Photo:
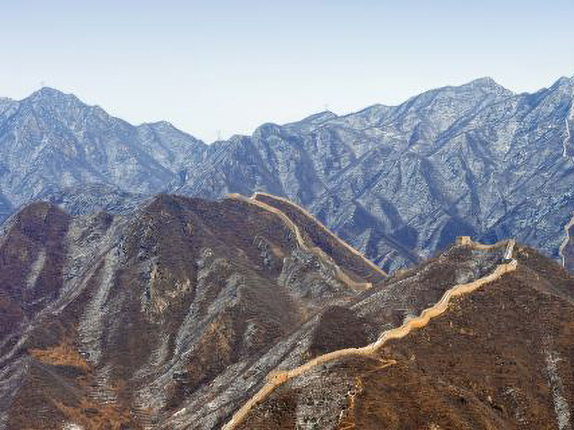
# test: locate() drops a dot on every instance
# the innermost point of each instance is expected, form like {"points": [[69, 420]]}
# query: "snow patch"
{"points": [[72, 426], [36, 269], [561, 406]]}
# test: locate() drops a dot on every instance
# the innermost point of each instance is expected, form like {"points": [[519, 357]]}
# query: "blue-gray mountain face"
{"points": [[52, 141], [396, 182]]}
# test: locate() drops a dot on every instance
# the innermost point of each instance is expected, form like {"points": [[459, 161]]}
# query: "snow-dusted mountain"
{"points": [[51, 141], [398, 182], [401, 182]]}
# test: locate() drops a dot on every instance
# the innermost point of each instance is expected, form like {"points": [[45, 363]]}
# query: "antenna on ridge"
{"points": [[42, 84], [219, 135]]}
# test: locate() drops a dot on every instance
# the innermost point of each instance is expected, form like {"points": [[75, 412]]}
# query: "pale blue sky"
{"points": [[232, 65]]}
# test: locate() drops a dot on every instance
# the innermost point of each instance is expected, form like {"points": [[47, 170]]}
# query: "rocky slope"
{"points": [[401, 182], [397, 182], [111, 321], [177, 315], [492, 360]]}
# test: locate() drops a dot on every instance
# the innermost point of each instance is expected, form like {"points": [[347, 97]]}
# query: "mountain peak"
{"points": [[564, 80], [47, 92], [166, 125], [486, 82], [51, 94], [314, 120], [321, 116]]}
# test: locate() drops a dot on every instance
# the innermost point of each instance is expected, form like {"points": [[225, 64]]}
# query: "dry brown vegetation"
{"points": [[94, 416], [483, 364], [61, 355]]}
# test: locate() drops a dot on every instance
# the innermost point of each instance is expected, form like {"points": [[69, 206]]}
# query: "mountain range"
{"points": [[397, 182]]}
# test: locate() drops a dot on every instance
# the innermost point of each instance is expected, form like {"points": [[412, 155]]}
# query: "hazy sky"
{"points": [[228, 66]]}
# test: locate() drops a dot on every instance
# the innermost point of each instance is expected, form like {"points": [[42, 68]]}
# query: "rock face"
{"points": [[399, 183], [176, 315]]}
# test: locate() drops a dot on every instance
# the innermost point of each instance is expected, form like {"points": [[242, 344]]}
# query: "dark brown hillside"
{"points": [[179, 316], [36, 233], [151, 310], [500, 358]]}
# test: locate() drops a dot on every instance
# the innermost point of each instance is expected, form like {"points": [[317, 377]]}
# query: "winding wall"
{"points": [[279, 378], [326, 230], [359, 286]]}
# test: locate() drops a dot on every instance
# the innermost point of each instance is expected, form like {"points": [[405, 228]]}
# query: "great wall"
{"points": [[276, 379], [359, 286], [325, 230]]}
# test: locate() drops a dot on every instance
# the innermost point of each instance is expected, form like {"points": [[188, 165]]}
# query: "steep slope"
{"points": [[497, 357], [111, 321]]}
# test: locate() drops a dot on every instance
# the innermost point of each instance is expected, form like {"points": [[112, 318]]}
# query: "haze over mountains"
{"points": [[397, 182]]}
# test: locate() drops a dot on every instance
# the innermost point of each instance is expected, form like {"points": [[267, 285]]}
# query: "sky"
{"points": [[221, 67]]}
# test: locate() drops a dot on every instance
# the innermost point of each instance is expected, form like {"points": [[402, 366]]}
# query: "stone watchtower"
{"points": [[463, 240]]}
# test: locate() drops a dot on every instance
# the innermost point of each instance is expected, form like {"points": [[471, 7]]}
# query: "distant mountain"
{"points": [[189, 314], [51, 141], [401, 182], [398, 182], [90, 198]]}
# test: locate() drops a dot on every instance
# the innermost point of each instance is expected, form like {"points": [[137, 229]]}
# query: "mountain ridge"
{"points": [[177, 314], [398, 182]]}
